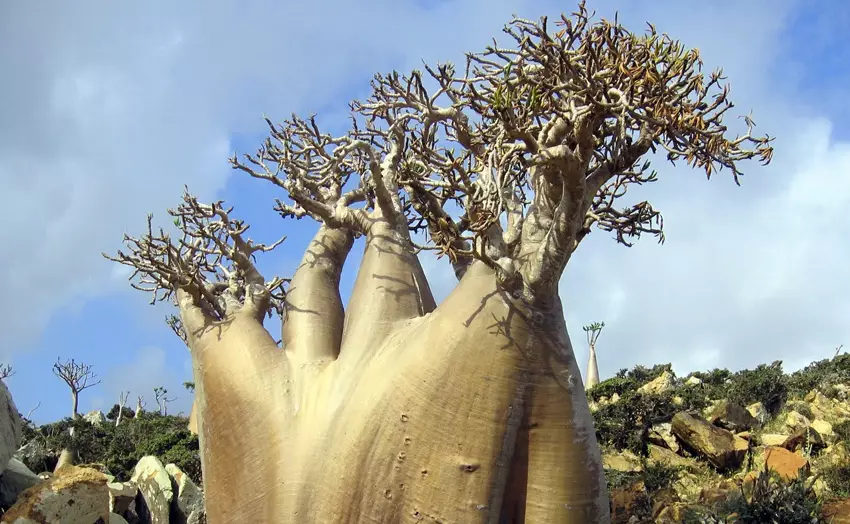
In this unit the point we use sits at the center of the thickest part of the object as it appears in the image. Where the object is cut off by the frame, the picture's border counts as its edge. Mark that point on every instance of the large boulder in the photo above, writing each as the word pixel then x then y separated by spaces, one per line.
pixel 804 438
pixel 155 491
pixel 37 456
pixel 786 464
pixel 16 479
pixel 190 499
pixel 73 494
pixel 663 382
pixel 733 417
pixel 121 496
pixel 10 426
pixel 717 445
pixel 662 435
pixel 759 412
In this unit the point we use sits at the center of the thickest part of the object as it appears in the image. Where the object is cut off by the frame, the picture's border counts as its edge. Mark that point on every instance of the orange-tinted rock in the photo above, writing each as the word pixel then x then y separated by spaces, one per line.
pixel 836 511
pixel 786 463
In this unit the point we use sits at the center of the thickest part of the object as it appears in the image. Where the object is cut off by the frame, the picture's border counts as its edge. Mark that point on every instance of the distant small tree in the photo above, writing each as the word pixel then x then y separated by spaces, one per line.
pixel 140 405
pixel 6 371
pixel 78 377
pixel 189 386
pixel 592 331
pixel 162 399
pixel 122 401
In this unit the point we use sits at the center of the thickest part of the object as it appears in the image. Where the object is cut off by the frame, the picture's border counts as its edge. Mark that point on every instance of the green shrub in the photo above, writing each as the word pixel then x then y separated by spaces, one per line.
pixel 120 448
pixel 765 384
pixel 715 383
pixel 837 477
pixel 802 408
pixel 842 431
pixel 126 413
pixel 627 380
pixel 625 424
pixel 658 476
pixel 772 500
pixel 821 375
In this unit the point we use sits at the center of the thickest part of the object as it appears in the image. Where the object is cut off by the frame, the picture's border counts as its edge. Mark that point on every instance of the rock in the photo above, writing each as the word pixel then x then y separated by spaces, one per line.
pixel 661 499
pixel 36 456
pixel 660 384
pixel 16 478
pixel 190 499
pixel 662 435
pixel 74 494
pixel 719 446
pixel 804 438
pixel 95 418
pixel 836 511
pixel 688 486
pixel 823 428
pixel 795 421
pixel 614 398
pixel 116 519
pixel 693 381
pixel 759 412
pixel 121 496
pixel 155 492
pixel 773 439
pixel 660 455
pixel 624 500
pixel 10 426
pixel 842 391
pixel 711 495
pixel 624 461
pixel 733 417
pixel 673 514
pixel 785 463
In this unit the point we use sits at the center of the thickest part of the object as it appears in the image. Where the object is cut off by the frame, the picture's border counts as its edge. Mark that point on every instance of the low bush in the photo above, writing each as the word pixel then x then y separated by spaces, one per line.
pixel 770 499
pixel 118 448
pixel 765 384
pixel 837 477
pixel 625 424
pixel 821 375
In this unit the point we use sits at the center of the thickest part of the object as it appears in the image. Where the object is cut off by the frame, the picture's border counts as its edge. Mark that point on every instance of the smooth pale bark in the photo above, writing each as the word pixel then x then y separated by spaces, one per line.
pixel 193 419
pixel 592 369
pixel 454 414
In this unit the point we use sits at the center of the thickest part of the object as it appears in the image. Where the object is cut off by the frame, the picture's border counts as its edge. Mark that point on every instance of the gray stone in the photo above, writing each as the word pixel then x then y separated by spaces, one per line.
pixel 190 499
pixel 155 491
pixel 74 494
pixel 10 426
pixel 733 417
pixel 15 480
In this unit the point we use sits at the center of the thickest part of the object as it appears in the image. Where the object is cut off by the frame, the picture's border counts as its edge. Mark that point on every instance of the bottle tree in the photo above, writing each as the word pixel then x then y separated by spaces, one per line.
pixel 393 408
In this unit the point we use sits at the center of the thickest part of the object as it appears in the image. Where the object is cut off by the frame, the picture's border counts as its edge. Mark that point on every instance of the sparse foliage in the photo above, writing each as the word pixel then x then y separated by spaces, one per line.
pixel 6 371
pixel 162 399
pixel 78 377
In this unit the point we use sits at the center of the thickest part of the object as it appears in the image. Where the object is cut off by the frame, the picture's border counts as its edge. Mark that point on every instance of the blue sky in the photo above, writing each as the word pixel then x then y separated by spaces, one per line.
pixel 111 110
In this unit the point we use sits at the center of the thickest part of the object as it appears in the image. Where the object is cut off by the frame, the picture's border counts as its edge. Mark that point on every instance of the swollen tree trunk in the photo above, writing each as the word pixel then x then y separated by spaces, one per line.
pixel 395 410
pixel 592 369
pixel 193 419
pixel 75 401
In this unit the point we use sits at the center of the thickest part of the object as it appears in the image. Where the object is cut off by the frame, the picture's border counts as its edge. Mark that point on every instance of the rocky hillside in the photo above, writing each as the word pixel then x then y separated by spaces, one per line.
pixel 145 470
pixel 757 446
